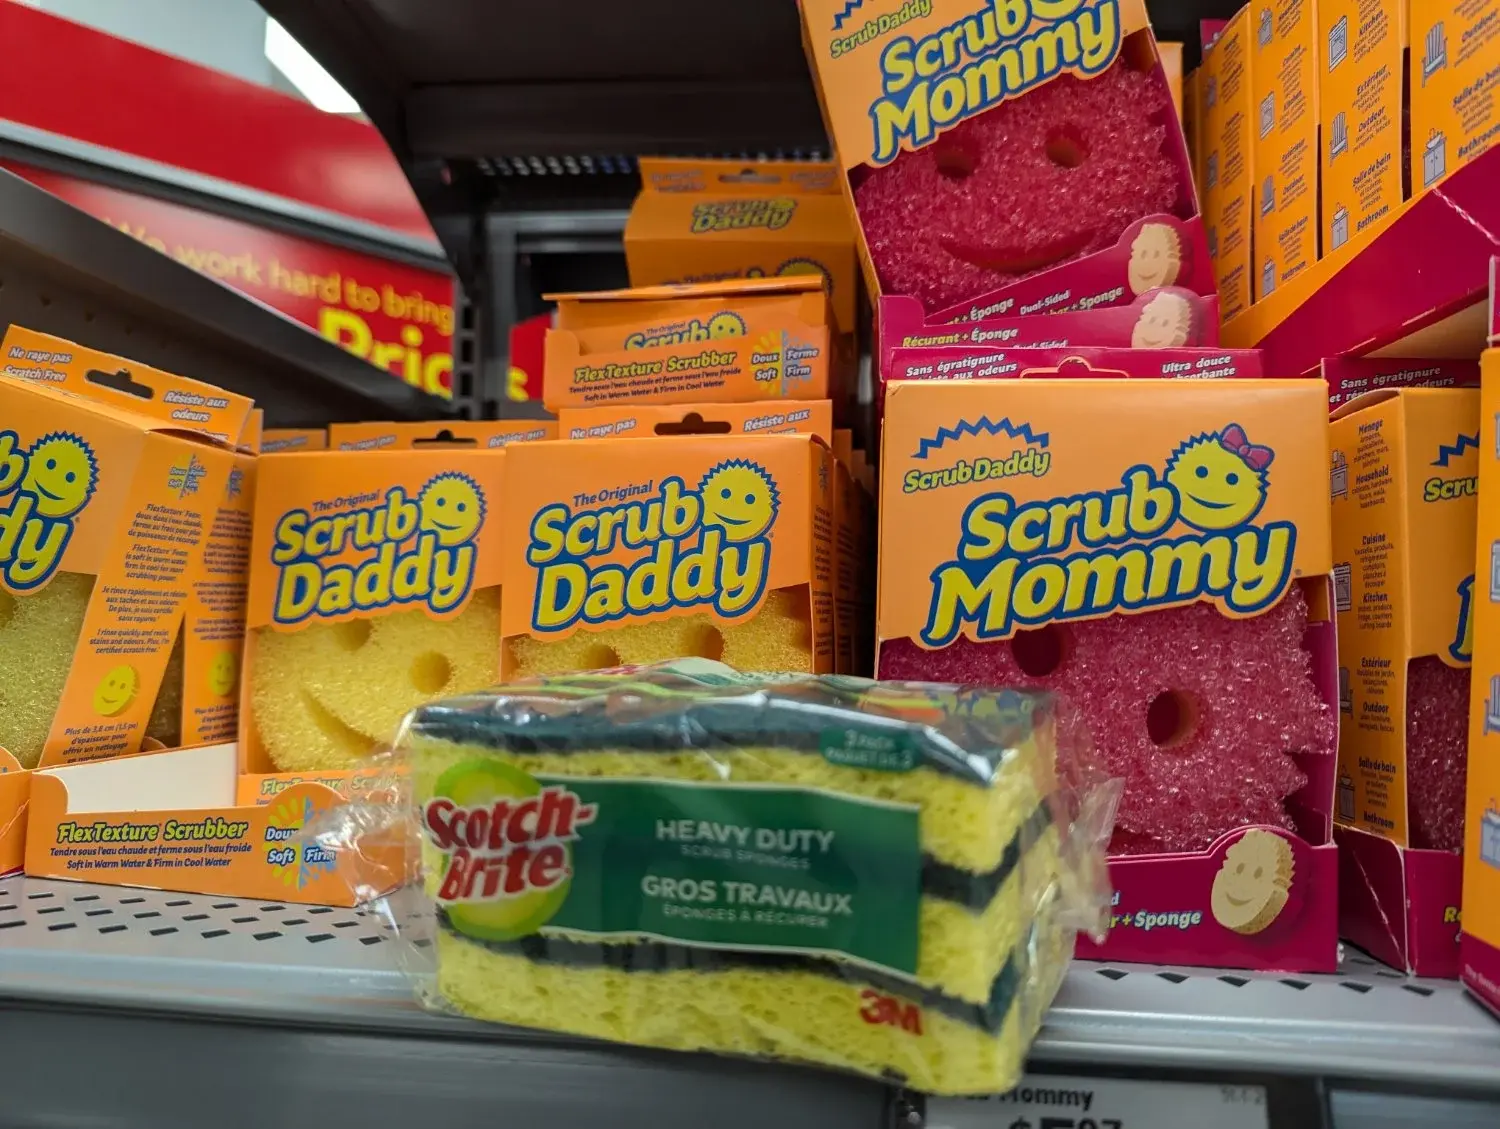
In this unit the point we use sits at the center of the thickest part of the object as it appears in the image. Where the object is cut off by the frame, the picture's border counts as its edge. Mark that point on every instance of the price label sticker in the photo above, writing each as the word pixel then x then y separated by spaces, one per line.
pixel 1059 1101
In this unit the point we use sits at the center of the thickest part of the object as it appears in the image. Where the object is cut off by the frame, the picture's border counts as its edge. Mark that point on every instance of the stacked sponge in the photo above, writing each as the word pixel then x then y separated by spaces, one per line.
pixel 37 635
pixel 992 943
pixel 326 697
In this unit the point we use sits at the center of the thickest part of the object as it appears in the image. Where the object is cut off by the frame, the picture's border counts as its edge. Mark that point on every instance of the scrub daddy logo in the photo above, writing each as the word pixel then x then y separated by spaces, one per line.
pixel 687 546
pixel 403 550
pixel 42 491
pixel 1022 564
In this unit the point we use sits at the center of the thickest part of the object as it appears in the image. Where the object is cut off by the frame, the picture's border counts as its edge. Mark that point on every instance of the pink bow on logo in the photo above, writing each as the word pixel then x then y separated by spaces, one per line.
pixel 1234 439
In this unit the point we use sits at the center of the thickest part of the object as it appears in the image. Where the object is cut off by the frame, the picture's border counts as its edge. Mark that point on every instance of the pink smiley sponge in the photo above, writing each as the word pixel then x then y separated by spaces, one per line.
pixel 1437 746
pixel 1057 173
pixel 1198 713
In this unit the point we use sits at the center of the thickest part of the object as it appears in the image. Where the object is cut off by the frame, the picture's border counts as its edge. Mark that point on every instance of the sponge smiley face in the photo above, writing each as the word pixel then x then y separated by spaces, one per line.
pixel 1219 480
pixel 452 506
pixel 1166 322
pixel 739 498
pixel 726 324
pixel 60 474
pixel 223 674
pixel 1155 258
pixel 116 690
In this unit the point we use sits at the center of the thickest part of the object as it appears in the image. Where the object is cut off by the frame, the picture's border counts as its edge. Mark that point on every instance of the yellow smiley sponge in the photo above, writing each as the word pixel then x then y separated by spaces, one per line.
pixel 327 696
pixel 706 821
pixel 38 633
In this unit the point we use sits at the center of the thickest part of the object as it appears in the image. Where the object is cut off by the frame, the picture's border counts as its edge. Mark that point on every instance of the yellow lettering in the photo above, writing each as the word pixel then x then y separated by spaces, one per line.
pixel 984 532
pixel 1178 569
pixel 289 542
pixel 547 537
pixel 560 592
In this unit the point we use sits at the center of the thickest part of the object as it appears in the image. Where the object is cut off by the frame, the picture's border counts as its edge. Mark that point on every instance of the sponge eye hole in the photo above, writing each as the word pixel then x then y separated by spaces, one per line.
pixel 51 464
pixel 1232 479
pixel 1201 472
pixel 726 493
pixel 71 476
pixel 749 499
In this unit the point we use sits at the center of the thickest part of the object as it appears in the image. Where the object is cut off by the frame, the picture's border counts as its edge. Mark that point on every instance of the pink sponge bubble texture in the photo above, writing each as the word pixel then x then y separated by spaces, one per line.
pixel 1041 179
pixel 1199 714
pixel 1437 746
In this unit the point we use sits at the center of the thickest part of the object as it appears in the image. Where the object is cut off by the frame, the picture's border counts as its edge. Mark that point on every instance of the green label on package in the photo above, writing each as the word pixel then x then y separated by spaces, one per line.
pixel 747 867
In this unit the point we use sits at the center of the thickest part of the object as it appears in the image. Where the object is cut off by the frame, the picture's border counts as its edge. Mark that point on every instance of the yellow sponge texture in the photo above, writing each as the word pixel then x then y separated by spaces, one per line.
pixel 38 635
pixel 328 696
pixel 777 638
pixel 166 715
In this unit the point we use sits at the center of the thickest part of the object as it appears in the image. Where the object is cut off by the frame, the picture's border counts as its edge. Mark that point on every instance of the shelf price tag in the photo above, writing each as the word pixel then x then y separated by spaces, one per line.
pixel 1057 1101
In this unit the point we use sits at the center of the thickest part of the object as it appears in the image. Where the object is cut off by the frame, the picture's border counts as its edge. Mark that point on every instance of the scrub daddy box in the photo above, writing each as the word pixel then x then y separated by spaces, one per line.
pixel 1157 553
pixel 626 552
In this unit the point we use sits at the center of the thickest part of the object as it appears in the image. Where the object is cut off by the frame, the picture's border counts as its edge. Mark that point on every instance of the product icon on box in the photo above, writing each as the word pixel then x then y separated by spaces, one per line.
pixel 1268 196
pixel 1434 159
pixel 1252 887
pixel 1489 836
pixel 1345 787
pixel 1340 232
pixel 1435 56
pixel 1343 587
pixel 1263 28
pixel 1338 476
pixel 1267 277
pixel 1338 136
pixel 1492 707
pixel 1211 170
pixel 1495 572
pixel 1268 113
pixel 1346 693
pixel 1338 42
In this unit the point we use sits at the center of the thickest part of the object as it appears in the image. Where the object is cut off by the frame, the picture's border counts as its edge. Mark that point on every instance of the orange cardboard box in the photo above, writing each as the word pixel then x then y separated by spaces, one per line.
pixel 486 434
pixel 277 440
pixel 629 552
pixel 198 700
pixel 769 417
pixel 172 821
pixel 15 794
pixel 708 221
pixel 1480 944
pixel 716 342
pixel 1171 64
pixel 111 511
pixel 1284 77
pixel 1455 108
pixel 1362 55
pixel 1228 162
pixel 374 588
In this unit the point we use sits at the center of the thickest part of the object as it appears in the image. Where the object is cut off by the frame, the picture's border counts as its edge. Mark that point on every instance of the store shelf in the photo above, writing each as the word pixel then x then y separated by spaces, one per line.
pixel 64 272
pixel 1415 287
pixel 173 996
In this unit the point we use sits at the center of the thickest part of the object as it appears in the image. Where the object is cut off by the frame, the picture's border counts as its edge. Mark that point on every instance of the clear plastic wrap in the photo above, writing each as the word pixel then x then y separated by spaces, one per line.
pixel 879 877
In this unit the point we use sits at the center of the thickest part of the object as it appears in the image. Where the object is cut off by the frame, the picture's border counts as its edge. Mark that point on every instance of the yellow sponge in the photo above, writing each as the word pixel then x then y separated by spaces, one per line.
pixel 777 638
pixel 166 715
pixel 327 696
pixel 38 635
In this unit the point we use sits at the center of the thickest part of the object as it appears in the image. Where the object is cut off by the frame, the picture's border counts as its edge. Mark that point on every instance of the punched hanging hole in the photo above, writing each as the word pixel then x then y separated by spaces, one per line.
pixel 749 175
pixel 431 673
pixel 706 642
pixel 1041 652
pixel 1171 719
pixel 693 424
pixel 1066 147
pixel 600 656
pixel 446 438
pixel 120 381
pixel 953 161
pixel 352 634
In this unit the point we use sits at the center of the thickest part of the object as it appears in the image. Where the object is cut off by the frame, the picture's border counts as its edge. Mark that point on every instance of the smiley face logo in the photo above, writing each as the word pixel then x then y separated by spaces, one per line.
pixel 61 474
pixel 1155 258
pixel 1166 322
pixel 725 324
pixel 116 690
pixel 1219 480
pixel 740 498
pixel 223 674
pixel 452 506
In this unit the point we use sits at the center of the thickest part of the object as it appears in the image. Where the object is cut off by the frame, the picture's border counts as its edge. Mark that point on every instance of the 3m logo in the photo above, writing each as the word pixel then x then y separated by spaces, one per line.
pixel 880 1010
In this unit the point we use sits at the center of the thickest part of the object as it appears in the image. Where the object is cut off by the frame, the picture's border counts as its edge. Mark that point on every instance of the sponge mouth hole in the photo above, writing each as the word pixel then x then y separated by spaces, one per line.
pixel 430 672
pixel 1172 719
pixel 706 641
pixel 352 634
pixel 1041 652
pixel 1066 147
pixel 954 161
pixel 7 608
pixel 600 656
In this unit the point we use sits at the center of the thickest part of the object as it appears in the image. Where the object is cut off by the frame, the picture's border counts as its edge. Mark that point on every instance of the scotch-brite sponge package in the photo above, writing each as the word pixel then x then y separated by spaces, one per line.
pixel 878 877
pixel 693 546
pixel 374 587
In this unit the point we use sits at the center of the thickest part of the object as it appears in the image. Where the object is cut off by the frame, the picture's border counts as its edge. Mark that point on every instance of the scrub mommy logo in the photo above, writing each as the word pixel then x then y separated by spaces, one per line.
pixel 1160 538
pixel 687 546
pixel 43 489
pixel 399 549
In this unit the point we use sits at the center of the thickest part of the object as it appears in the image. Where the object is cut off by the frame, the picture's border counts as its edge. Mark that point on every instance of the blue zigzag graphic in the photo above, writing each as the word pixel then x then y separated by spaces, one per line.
pixel 983 426
pixel 840 18
pixel 1446 452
